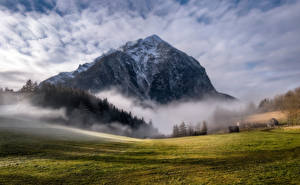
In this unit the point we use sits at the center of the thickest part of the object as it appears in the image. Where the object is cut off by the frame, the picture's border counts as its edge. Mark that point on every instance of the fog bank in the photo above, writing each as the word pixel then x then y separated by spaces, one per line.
pixel 164 117
pixel 18 113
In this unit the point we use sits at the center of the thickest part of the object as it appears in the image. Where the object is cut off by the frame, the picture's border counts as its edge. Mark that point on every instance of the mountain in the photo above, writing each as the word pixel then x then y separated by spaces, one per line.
pixel 147 69
pixel 65 76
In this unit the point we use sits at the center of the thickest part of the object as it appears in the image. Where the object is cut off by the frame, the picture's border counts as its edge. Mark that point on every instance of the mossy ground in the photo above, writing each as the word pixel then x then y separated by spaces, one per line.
pixel 255 157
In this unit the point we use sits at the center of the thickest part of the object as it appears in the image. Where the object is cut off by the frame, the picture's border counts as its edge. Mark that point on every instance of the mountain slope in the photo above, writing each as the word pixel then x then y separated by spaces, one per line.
pixel 147 69
pixel 84 110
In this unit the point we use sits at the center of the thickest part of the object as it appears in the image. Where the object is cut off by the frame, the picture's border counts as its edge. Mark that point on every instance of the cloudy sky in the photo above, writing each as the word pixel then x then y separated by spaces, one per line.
pixel 250 48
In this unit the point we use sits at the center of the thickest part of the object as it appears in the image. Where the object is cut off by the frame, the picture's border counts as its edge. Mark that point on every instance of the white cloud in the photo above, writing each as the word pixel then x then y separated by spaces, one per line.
pixel 247 52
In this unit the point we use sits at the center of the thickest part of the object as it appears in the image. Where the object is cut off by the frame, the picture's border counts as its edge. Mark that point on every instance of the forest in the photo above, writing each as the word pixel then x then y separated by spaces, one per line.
pixel 83 109
pixel 184 129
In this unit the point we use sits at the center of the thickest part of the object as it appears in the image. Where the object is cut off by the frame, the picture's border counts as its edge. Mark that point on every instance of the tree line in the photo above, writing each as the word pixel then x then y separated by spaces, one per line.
pixel 288 102
pixel 6 95
pixel 85 110
pixel 184 129
pixel 29 87
pixel 6 89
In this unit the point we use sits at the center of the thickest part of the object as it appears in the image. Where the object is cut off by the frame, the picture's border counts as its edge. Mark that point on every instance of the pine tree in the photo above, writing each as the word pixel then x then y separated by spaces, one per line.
pixel 29 87
pixel 198 129
pixel 190 130
pixel 1 96
pixel 150 122
pixel 35 86
pixel 182 129
pixel 8 90
pixel 204 128
pixel 175 131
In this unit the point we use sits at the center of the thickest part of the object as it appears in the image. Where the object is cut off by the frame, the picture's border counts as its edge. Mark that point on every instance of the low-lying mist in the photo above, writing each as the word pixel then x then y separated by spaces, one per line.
pixel 218 114
pixel 23 117
pixel 24 109
pixel 18 111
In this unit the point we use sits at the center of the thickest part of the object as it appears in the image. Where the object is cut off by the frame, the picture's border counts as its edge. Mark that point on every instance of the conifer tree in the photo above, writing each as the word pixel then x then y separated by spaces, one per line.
pixel 190 130
pixel 182 129
pixel 204 128
pixel 175 131
pixel 198 129
pixel 29 87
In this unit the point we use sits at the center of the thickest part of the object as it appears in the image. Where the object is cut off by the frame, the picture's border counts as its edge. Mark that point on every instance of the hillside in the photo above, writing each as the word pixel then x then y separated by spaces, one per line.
pixel 288 102
pixel 77 108
pixel 256 157
pixel 266 117
pixel 36 128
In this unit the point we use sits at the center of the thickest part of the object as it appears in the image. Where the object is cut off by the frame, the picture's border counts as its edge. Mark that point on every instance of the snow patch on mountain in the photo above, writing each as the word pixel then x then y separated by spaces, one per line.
pixel 64 76
pixel 141 51
pixel 147 69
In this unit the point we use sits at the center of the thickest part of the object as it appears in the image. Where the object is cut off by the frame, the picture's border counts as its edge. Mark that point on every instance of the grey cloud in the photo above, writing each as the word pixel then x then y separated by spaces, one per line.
pixel 225 36
pixel 12 75
pixel 13 78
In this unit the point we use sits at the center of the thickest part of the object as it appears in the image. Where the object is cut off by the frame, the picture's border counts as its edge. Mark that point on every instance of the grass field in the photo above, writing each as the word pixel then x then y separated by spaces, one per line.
pixel 256 157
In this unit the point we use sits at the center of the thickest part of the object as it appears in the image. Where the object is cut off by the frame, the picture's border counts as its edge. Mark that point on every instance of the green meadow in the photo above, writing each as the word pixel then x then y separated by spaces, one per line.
pixel 254 157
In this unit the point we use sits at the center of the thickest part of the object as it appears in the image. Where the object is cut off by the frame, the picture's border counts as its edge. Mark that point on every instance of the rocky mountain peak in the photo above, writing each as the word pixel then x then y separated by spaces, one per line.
pixel 153 39
pixel 150 47
pixel 151 42
pixel 147 69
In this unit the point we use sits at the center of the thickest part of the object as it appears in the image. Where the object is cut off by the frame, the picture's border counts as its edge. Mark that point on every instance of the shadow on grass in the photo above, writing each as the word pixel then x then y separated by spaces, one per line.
pixel 28 179
pixel 159 159
pixel 103 153
pixel 129 153
pixel 234 160
pixel 161 167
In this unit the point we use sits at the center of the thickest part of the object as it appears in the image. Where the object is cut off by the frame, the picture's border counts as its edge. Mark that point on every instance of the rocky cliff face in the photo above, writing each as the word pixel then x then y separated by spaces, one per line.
pixel 147 69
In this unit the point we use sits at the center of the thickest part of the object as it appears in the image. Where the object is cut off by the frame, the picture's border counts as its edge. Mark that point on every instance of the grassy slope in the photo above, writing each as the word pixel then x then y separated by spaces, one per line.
pixel 257 157
pixel 265 117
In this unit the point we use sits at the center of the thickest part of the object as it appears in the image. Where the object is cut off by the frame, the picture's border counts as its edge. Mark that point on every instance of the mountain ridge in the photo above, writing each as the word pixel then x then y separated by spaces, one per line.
pixel 147 69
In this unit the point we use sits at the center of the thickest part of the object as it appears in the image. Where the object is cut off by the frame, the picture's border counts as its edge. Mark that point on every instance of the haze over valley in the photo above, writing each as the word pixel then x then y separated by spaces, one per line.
pixel 149 92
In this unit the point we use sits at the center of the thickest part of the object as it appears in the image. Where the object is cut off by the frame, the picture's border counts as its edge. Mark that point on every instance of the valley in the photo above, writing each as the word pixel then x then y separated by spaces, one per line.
pixel 254 157
pixel 146 92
